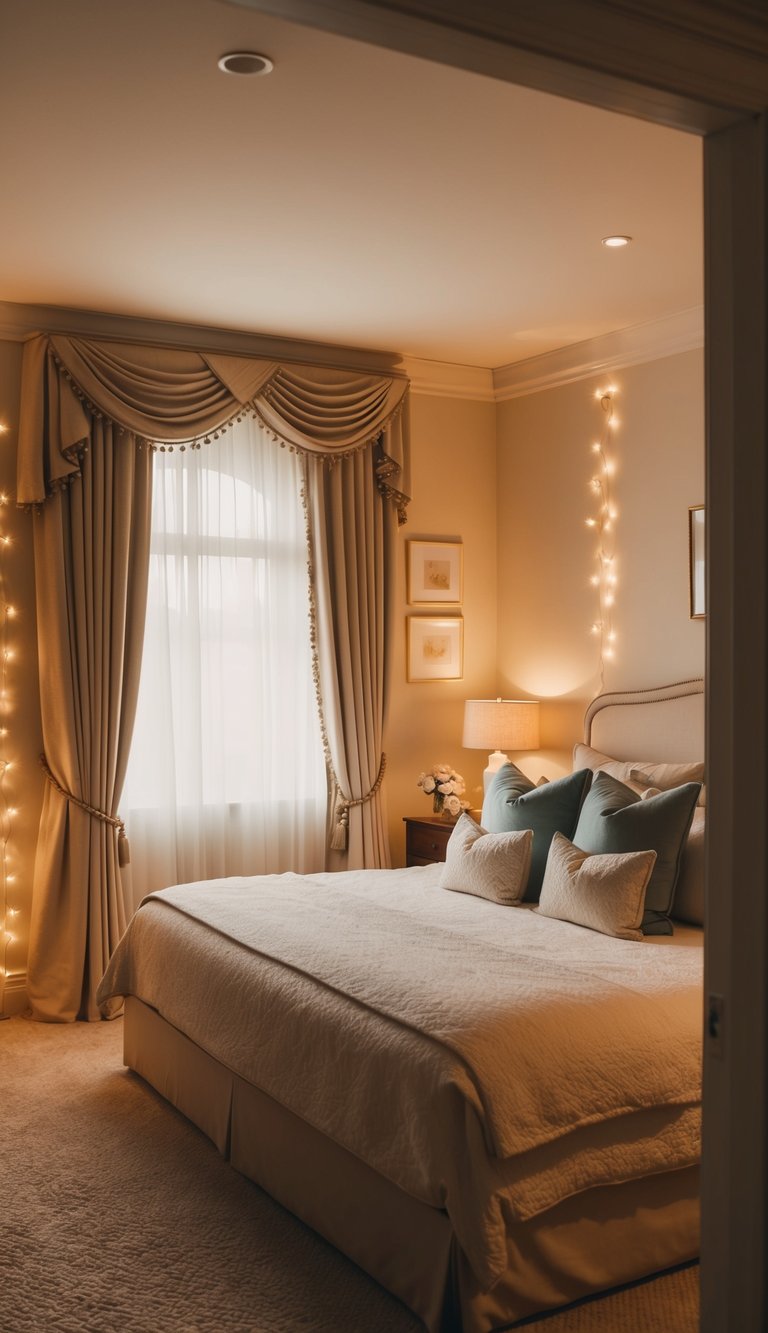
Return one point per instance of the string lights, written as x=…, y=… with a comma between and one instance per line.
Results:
x=7, y=810
x=603, y=523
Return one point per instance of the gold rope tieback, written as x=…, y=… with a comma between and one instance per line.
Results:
x=339, y=839
x=123, y=849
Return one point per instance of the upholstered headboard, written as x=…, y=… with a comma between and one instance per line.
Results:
x=665, y=724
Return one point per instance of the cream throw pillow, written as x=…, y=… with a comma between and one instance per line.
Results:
x=489, y=865
x=636, y=773
x=642, y=784
x=604, y=891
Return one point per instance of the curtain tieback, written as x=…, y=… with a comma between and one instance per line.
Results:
x=123, y=849
x=339, y=839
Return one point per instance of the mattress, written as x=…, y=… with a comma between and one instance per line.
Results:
x=487, y=1061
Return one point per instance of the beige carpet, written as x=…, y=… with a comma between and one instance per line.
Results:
x=118, y=1215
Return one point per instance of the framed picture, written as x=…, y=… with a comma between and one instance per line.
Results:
x=696, y=561
x=435, y=572
x=435, y=648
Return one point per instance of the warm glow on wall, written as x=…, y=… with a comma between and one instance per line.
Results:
x=8, y=811
x=603, y=523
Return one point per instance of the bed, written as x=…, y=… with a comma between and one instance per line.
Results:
x=491, y=1111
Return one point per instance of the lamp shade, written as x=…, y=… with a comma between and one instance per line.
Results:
x=501, y=724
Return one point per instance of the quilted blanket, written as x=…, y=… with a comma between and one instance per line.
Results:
x=486, y=1059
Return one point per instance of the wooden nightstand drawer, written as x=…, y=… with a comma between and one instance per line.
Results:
x=426, y=840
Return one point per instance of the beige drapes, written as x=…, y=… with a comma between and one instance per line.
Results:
x=91, y=413
x=92, y=543
x=351, y=537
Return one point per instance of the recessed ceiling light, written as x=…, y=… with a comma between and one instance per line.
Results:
x=615, y=242
x=245, y=62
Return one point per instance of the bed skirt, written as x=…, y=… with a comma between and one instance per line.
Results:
x=588, y=1243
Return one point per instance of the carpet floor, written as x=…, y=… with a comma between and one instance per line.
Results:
x=118, y=1215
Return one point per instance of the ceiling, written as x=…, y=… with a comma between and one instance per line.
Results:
x=354, y=196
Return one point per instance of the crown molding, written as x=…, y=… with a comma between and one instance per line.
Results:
x=632, y=346
x=610, y=351
x=444, y=379
x=20, y=322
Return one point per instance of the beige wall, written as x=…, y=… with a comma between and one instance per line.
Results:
x=522, y=467
x=24, y=784
x=453, y=475
x=546, y=603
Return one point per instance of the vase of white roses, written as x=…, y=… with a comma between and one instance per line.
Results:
x=445, y=787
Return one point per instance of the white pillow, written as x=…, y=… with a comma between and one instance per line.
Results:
x=604, y=891
x=636, y=773
x=489, y=865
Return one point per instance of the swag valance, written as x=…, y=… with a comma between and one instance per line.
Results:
x=170, y=397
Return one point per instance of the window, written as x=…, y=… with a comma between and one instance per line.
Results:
x=226, y=774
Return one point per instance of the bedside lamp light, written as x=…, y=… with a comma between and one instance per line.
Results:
x=498, y=725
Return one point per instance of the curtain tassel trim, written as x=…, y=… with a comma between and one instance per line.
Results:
x=339, y=837
x=123, y=847
x=343, y=807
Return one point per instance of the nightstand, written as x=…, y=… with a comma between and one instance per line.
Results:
x=426, y=839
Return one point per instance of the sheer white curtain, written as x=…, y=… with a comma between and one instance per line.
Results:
x=226, y=774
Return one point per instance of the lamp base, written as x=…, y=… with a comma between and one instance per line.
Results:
x=496, y=759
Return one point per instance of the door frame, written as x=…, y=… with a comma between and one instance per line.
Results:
x=694, y=66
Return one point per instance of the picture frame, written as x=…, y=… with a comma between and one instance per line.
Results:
x=435, y=648
x=697, y=531
x=435, y=572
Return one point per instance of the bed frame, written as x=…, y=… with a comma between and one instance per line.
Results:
x=588, y=1243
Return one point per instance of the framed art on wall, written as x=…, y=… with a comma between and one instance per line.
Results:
x=435, y=571
x=696, y=559
x=435, y=649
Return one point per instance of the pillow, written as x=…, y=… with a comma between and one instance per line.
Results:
x=638, y=781
x=642, y=772
x=641, y=788
x=513, y=803
x=689, y=894
x=603, y=891
x=489, y=865
x=614, y=819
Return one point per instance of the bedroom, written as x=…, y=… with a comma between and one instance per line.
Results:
x=473, y=418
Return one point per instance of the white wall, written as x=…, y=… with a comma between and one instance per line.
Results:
x=546, y=603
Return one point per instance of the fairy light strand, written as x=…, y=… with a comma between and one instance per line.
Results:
x=603, y=523
x=7, y=809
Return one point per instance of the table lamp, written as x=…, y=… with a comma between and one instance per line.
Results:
x=498, y=725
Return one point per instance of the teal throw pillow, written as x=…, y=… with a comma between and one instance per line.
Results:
x=512, y=803
x=615, y=819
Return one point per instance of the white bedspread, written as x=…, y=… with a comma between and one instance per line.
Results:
x=487, y=1060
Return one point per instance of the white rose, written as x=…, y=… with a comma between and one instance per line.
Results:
x=428, y=784
x=453, y=805
x=445, y=788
